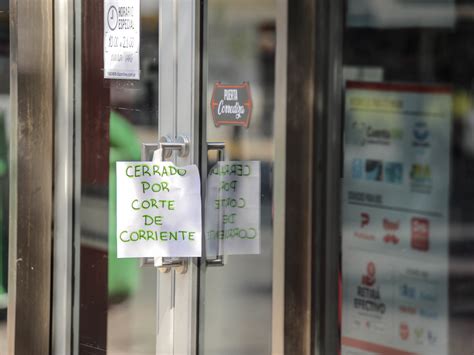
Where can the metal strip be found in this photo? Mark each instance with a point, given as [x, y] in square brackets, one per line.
[166, 127]
[299, 177]
[77, 175]
[31, 162]
[326, 213]
[179, 114]
[203, 166]
[333, 159]
[13, 179]
[278, 285]
[167, 69]
[187, 121]
[63, 199]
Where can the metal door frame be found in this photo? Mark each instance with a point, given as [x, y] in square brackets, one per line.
[179, 114]
[31, 176]
[328, 26]
[65, 87]
[279, 180]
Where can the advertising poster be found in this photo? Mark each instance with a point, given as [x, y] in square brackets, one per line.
[395, 219]
[401, 13]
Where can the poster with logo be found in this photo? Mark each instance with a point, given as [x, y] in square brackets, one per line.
[395, 218]
[231, 105]
[401, 13]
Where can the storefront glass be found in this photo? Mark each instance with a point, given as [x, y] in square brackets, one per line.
[117, 296]
[236, 297]
[408, 143]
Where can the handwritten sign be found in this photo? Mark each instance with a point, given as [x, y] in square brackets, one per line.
[231, 105]
[233, 208]
[122, 39]
[158, 210]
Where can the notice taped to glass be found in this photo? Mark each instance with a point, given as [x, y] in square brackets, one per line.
[158, 210]
[395, 219]
[231, 105]
[122, 39]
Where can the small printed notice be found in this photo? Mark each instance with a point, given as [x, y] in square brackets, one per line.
[231, 105]
[233, 208]
[158, 210]
[122, 39]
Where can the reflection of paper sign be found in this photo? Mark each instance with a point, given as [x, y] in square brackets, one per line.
[395, 218]
[401, 13]
[231, 105]
[158, 210]
[122, 39]
[233, 208]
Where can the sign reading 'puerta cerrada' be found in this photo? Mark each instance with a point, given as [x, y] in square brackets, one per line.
[231, 104]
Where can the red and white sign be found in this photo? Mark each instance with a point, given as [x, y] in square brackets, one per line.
[395, 218]
[231, 105]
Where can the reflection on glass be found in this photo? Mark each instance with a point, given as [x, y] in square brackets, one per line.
[395, 213]
[232, 225]
[407, 194]
[236, 299]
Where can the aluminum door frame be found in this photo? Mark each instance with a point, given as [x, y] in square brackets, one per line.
[31, 176]
[179, 114]
[279, 182]
[328, 26]
[64, 110]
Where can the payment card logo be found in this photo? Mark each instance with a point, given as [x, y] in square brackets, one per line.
[420, 234]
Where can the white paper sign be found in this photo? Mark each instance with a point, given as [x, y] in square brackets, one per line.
[158, 210]
[233, 208]
[122, 39]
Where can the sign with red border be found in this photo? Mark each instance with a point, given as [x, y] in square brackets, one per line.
[231, 104]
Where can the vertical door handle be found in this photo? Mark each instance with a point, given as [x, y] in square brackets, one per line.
[168, 145]
[219, 260]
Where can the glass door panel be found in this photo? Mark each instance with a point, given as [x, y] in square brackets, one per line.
[236, 297]
[117, 297]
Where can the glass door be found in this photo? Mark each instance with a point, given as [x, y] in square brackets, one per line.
[217, 65]
[206, 79]
[235, 293]
[127, 305]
